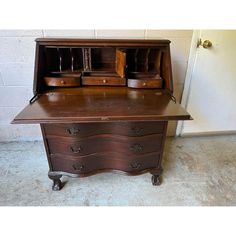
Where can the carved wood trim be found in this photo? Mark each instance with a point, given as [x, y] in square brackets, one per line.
[87, 59]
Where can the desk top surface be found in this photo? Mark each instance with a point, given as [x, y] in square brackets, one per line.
[101, 104]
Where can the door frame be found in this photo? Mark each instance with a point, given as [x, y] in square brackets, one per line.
[188, 78]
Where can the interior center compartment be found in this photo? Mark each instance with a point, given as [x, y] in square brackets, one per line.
[135, 67]
[103, 59]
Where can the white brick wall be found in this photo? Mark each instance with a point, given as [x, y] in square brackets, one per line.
[17, 49]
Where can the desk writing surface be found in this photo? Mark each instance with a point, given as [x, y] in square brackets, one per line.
[101, 104]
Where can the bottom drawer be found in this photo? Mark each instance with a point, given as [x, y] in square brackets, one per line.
[106, 161]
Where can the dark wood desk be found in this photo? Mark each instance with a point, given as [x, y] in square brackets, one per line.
[108, 127]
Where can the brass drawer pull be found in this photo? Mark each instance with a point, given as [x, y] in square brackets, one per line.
[76, 149]
[136, 148]
[73, 130]
[78, 167]
[135, 165]
[137, 130]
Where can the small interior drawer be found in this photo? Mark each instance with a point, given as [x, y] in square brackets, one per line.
[145, 83]
[144, 80]
[103, 80]
[63, 80]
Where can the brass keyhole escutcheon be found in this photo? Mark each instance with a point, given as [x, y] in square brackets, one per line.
[205, 44]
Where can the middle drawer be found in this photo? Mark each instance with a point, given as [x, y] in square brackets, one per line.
[105, 143]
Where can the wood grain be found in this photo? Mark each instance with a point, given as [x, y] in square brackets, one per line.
[95, 128]
[105, 143]
[103, 162]
[101, 105]
[130, 129]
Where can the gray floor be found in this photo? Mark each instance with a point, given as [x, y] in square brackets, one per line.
[197, 171]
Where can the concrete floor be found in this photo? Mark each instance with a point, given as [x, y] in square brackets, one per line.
[198, 171]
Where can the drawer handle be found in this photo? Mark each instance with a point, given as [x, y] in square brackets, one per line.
[78, 167]
[76, 149]
[136, 148]
[135, 165]
[73, 131]
[137, 130]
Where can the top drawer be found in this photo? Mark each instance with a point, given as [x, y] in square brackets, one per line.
[122, 128]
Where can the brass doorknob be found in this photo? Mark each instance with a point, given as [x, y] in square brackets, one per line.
[204, 44]
[207, 44]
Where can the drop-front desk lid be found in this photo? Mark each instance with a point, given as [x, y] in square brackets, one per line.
[101, 104]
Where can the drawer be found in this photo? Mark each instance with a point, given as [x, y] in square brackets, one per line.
[122, 128]
[106, 143]
[145, 83]
[98, 162]
[103, 80]
[66, 80]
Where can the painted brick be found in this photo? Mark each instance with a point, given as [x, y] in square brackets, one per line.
[179, 71]
[120, 33]
[21, 33]
[169, 34]
[7, 114]
[20, 133]
[178, 91]
[1, 81]
[15, 96]
[180, 48]
[14, 74]
[69, 33]
[17, 49]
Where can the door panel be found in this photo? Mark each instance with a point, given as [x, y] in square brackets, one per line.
[212, 96]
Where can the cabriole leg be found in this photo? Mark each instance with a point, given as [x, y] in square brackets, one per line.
[156, 176]
[57, 184]
[156, 180]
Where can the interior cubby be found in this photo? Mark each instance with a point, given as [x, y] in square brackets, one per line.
[76, 63]
[76, 66]
[60, 60]
[144, 61]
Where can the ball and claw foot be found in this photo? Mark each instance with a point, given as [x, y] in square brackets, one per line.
[57, 185]
[156, 180]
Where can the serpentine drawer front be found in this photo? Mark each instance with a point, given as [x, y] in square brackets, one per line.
[132, 129]
[103, 105]
[105, 143]
[98, 162]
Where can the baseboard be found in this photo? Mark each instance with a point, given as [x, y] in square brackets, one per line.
[210, 133]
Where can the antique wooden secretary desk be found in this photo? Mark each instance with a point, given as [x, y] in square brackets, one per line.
[102, 105]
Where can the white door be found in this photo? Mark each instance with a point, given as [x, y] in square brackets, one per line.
[210, 90]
